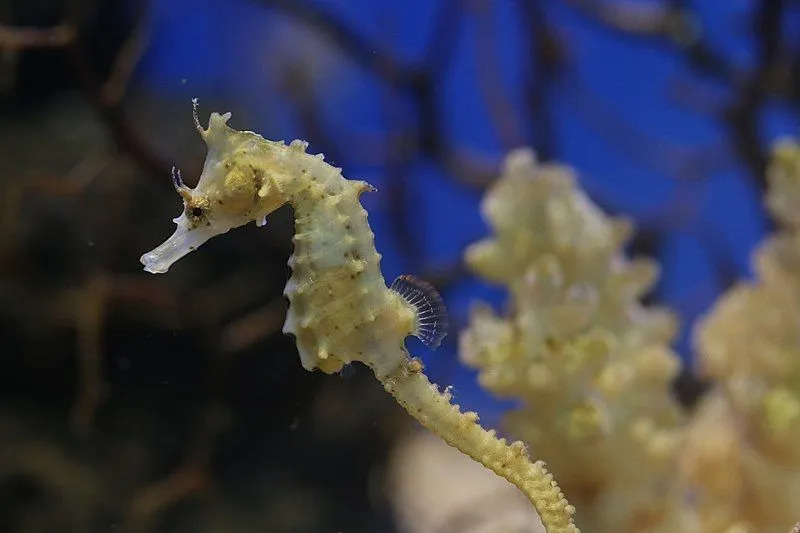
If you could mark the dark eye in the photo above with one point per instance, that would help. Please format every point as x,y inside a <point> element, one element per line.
<point>196,211</point>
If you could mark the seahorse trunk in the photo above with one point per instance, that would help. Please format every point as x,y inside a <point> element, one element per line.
<point>434,410</point>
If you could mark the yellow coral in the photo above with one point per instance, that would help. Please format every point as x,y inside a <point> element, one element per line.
<point>591,364</point>
<point>743,460</point>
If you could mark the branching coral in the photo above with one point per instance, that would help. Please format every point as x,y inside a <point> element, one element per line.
<point>591,365</point>
<point>742,457</point>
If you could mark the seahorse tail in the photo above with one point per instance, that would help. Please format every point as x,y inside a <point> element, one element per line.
<point>433,409</point>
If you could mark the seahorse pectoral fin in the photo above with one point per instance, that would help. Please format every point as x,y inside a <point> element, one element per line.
<point>185,239</point>
<point>432,322</point>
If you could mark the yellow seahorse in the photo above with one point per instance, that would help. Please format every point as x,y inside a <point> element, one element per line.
<point>340,309</point>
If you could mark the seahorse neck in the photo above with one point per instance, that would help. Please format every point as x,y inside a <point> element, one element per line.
<point>330,223</point>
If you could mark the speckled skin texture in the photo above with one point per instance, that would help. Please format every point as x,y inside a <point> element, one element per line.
<point>340,309</point>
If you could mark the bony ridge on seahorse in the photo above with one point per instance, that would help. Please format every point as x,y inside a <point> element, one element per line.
<point>340,309</point>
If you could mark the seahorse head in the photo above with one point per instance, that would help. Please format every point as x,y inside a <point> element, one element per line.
<point>234,189</point>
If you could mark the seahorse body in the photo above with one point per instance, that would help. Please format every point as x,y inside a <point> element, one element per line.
<point>340,309</point>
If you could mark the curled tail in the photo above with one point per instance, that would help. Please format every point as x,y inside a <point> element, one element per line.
<point>433,409</point>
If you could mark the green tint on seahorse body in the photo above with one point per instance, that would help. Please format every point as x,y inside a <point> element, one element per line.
<point>340,309</point>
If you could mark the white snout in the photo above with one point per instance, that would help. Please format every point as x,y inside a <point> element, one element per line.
<point>185,240</point>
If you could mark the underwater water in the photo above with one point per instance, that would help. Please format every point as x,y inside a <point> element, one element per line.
<point>175,403</point>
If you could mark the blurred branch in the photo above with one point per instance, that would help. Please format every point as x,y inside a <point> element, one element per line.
<point>429,138</point>
<point>674,23</point>
<point>490,79</point>
<point>189,478</point>
<point>89,310</point>
<point>106,95</point>
<point>546,54</point>
<point>696,97</point>
<point>115,86</point>
<point>16,38</point>
<point>88,305</point>
<point>631,17</point>
<point>192,476</point>
<point>297,87</point>
<point>438,54</point>
<point>15,191</point>
<point>350,43</point>
<point>653,154</point>
<point>254,327</point>
<point>418,82</point>
<point>742,117</point>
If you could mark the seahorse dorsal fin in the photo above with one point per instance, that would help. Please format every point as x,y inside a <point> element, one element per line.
<point>432,321</point>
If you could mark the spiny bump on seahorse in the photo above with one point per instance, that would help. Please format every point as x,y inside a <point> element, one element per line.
<point>340,309</point>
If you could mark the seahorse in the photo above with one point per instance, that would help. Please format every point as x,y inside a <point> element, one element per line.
<point>340,308</point>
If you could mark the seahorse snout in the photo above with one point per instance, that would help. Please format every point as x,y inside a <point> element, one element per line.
<point>184,240</point>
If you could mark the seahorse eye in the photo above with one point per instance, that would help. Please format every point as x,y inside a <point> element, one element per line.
<point>195,213</point>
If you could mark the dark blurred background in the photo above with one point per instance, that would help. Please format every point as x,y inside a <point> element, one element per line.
<point>136,403</point>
